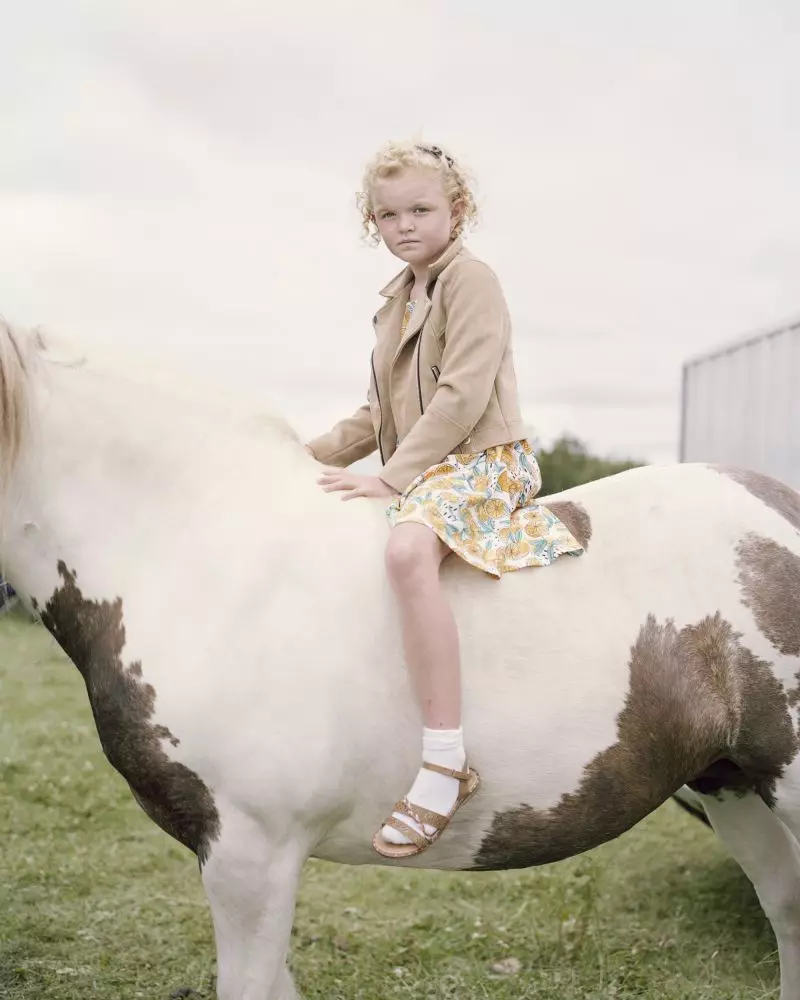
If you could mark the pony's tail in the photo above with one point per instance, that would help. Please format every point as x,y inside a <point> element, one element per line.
<point>13,402</point>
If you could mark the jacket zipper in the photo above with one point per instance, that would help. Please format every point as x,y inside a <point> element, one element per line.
<point>419,379</point>
<point>429,296</point>
<point>380,408</point>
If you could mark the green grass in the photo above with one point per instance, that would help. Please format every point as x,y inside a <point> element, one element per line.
<point>96,902</point>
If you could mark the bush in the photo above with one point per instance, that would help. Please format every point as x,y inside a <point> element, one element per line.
<point>568,464</point>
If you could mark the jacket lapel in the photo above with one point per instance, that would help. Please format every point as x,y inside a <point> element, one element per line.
<point>415,323</point>
<point>397,292</point>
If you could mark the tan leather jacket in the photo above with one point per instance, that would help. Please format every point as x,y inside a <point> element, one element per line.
<point>449,384</point>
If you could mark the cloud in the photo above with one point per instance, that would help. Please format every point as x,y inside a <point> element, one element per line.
<point>180,178</point>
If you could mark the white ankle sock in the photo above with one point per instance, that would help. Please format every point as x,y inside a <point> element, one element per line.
<point>430,790</point>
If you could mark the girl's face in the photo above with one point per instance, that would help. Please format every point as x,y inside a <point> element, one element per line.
<point>413,215</point>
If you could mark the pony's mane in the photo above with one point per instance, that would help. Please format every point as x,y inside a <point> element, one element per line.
<point>18,351</point>
<point>24,352</point>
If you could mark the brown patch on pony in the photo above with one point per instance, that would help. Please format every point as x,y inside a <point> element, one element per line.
<point>769,575</point>
<point>775,494</point>
<point>696,697</point>
<point>92,635</point>
<point>575,517</point>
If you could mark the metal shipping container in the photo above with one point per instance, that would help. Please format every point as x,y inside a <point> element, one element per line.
<point>741,405</point>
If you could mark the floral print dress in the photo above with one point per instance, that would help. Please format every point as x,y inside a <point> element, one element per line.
<point>482,506</point>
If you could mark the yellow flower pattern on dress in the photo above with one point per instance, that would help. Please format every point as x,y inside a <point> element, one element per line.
<point>481,505</point>
<point>483,508</point>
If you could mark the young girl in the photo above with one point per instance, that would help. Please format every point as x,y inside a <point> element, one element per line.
<point>443,411</point>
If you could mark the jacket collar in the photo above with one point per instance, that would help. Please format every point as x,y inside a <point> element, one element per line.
<point>406,276</point>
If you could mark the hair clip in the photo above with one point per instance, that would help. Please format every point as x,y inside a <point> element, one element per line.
<point>437,152</point>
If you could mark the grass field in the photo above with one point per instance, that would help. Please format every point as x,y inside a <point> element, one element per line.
<point>96,902</point>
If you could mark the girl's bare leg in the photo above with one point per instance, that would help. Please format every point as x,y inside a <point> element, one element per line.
<point>430,642</point>
<point>430,637</point>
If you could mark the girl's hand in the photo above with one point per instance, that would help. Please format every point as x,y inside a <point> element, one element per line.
<point>352,485</point>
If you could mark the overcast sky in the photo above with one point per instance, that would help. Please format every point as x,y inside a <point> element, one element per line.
<point>179,177</point>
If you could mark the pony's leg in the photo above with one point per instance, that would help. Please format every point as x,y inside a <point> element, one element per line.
<point>251,886</point>
<point>787,797</point>
<point>770,856</point>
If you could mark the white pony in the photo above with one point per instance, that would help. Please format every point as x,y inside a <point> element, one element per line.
<point>242,658</point>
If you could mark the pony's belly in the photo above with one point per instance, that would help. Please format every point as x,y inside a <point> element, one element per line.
<point>533,807</point>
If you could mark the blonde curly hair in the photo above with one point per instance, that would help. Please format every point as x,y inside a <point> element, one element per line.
<point>397,156</point>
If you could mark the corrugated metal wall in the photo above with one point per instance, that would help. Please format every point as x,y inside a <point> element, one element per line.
<point>741,405</point>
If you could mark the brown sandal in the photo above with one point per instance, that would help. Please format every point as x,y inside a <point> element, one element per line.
<point>469,779</point>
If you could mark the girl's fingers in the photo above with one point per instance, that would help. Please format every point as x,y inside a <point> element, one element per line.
<point>333,481</point>
<point>339,484</point>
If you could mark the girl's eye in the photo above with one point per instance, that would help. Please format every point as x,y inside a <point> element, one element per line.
<point>386,215</point>
<point>421,209</point>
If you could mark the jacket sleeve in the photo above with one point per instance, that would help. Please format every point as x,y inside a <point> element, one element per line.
<point>351,439</point>
<point>476,336</point>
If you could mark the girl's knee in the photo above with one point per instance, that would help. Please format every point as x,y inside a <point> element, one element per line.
<point>410,554</point>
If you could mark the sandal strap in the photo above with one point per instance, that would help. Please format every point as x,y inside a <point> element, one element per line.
<point>421,815</point>
<point>419,839</point>
<point>449,772</point>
